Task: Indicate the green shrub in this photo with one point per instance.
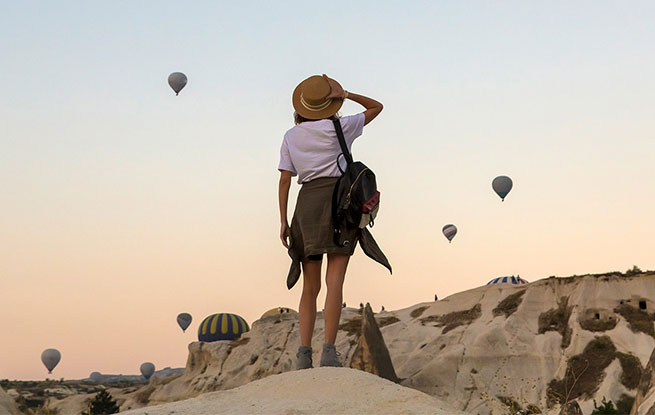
(102, 404)
(606, 408)
(634, 271)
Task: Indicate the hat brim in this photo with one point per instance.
(326, 112)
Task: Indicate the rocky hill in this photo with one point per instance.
(645, 400)
(319, 391)
(73, 396)
(494, 349)
(164, 373)
(535, 347)
(7, 404)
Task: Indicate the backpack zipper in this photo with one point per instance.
(353, 185)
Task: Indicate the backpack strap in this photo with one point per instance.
(336, 232)
(342, 142)
(336, 235)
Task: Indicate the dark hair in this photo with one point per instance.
(299, 119)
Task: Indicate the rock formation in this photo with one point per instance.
(316, 391)
(74, 405)
(570, 408)
(536, 348)
(536, 345)
(371, 354)
(645, 400)
(7, 404)
(98, 377)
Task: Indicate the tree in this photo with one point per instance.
(634, 271)
(103, 404)
(606, 408)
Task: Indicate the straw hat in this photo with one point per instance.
(310, 99)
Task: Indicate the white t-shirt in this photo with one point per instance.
(310, 149)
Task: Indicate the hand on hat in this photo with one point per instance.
(336, 91)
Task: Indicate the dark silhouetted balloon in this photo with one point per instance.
(147, 370)
(449, 232)
(184, 320)
(177, 81)
(502, 185)
(50, 358)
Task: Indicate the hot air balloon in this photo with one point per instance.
(50, 358)
(449, 231)
(184, 320)
(279, 310)
(177, 81)
(508, 280)
(222, 326)
(502, 185)
(147, 369)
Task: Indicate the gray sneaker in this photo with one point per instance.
(304, 358)
(329, 356)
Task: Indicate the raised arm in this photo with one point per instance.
(285, 184)
(373, 107)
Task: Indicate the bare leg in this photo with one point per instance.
(311, 271)
(336, 272)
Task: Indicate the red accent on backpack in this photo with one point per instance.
(371, 203)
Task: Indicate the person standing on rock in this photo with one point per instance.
(310, 150)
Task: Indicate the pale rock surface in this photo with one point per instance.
(13, 393)
(165, 373)
(494, 356)
(7, 404)
(645, 401)
(268, 348)
(313, 391)
(71, 405)
(75, 404)
(479, 350)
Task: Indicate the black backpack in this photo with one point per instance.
(356, 199)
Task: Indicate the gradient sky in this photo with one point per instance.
(123, 205)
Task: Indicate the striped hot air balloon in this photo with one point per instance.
(279, 310)
(508, 280)
(222, 326)
(449, 231)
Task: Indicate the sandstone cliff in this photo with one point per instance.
(7, 404)
(645, 401)
(533, 347)
(493, 349)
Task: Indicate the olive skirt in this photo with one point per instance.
(311, 226)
